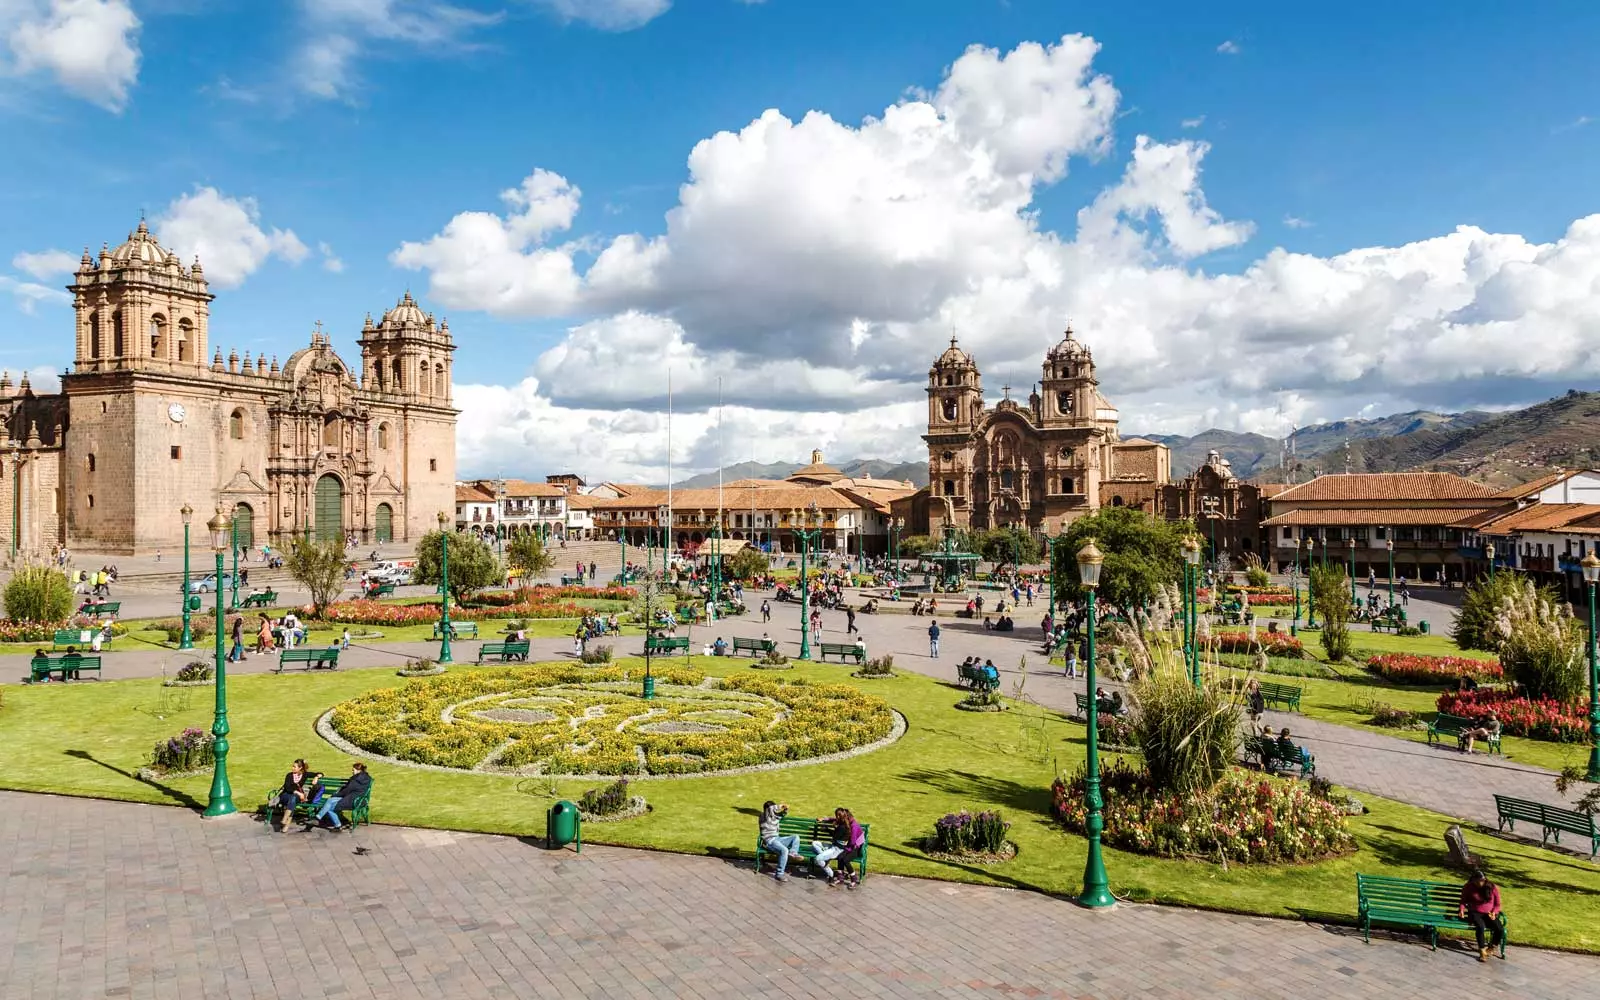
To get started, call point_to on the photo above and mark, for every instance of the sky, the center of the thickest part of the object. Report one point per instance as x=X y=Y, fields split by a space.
x=1255 y=214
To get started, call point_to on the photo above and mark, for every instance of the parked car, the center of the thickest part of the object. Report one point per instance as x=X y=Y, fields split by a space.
x=208 y=583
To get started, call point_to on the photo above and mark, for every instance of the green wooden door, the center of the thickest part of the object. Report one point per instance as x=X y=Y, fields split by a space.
x=385 y=523
x=330 y=508
x=244 y=527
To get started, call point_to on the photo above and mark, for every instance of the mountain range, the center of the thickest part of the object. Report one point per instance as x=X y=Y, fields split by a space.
x=1498 y=449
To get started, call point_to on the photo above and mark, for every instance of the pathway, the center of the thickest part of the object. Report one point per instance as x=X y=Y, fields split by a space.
x=102 y=899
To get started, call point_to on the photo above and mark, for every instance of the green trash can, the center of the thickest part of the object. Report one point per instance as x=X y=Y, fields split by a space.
x=649 y=686
x=562 y=826
x=1423 y=625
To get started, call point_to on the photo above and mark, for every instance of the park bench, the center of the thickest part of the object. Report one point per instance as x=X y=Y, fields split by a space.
x=975 y=677
x=382 y=590
x=755 y=647
x=1285 y=696
x=841 y=650
x=665 y=645
x=1389 y=620
x=68 y=665
x=314 y=658
x=1082 y=702
x=458 y=630
x=1415 y=903
x=571 y=581
x=102 y=609
x=65 y=637
x=511 y=649
x=260 y=599
x=1454 y=726
x=1553 y=820
x=811 y=831
x=1272 y=756
x=305 y=811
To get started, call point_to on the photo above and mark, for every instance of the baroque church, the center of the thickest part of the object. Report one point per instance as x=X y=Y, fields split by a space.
x=1038 y=464
x=152 y=417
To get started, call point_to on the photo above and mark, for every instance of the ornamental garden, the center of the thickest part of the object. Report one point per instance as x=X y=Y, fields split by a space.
x=988 y=797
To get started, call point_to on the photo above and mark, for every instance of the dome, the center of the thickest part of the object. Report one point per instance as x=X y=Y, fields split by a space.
x=405 y=313
x=1070 y=349
x=141 y=249
x=953 y=356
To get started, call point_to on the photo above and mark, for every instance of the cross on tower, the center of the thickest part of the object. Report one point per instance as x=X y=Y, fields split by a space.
x=317 y=336
x=1006 y=389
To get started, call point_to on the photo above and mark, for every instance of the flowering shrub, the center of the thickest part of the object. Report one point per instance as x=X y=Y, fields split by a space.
x=1536 y=718
x=200 y=627
x=1408 y=668
x=1272 y=643
x=1257 y=595
x=545 y=595
x=606 y=801
x=1244 y=818
x=15 y=631
x=965 y=833
x=363 y=612
x=1116 y=730
x=194 y=672
x=191 y=750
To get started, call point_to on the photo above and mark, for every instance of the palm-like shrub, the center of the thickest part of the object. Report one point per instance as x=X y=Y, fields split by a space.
x=1542 y=648
x=1189 y=735
x=38 y=594
x=1476 y=625
x=1332 y=595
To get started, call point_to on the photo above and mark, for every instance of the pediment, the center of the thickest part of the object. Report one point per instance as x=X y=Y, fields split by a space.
x=243 y=482
x=385 y=484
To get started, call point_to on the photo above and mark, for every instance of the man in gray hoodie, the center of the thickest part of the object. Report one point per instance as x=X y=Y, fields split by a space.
x=781 y=846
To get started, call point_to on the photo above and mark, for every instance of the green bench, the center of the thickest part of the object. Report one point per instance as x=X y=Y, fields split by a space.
x=841 y=650
x=1553 y=820
x=458 y=630
x=1414 y=903
x=1276 y=695
x=1272 y=756
x=755 y=647
x=112 y=608
x=976 y=677
x=313 y=657
x=571 y=581
x=809 y=831
x=1454 y=726
x=306 y=811
x=260 y=599
x=381 y=590
x=68 y=665
x=1391 y=620
x=65 y=637
x=665 y=645
x=511 y=649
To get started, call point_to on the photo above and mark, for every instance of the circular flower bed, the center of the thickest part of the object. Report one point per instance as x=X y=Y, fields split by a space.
x=566 y=719
x=1246 y=818
x=1408 y=668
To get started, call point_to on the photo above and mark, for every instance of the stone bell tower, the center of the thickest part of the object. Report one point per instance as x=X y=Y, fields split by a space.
x=138 y=307
x=955 y=411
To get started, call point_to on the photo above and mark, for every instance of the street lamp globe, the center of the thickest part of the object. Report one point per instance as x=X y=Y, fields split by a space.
x=1591 y=568
x=1488 y=550
x=218 y=527
x=442 y=520
x=1090 y=559
x=1388 y=543
x=1352 y=544
x=1191 y=551
x=188 y=514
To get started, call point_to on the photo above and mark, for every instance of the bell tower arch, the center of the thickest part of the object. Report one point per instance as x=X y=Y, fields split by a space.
x=138 y=307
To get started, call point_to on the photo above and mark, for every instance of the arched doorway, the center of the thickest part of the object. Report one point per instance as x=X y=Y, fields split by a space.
x=244 y=526
x=385 y=521
x=330 y=508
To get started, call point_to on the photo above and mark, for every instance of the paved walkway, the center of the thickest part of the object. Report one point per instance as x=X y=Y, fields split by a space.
x=101 y=899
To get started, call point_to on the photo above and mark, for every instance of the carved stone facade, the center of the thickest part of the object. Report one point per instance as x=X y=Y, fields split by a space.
x=143 y=425
x=1037 y=465
x=1226 y=510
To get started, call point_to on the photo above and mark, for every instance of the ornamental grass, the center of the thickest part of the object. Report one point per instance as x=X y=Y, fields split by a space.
x=1412 y=668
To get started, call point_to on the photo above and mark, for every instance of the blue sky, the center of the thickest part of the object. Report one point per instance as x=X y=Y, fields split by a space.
x=358 y=126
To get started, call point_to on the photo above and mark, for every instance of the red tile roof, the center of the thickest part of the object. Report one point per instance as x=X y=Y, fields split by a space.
x=1387 y=486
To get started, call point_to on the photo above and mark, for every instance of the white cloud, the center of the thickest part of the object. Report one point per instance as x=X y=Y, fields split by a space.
x=337 y=34
x=608 y=15
x=225 y=233
x=1195 y=122
x=1229 y=48
x=1576 y=123
x=1295 y=222
x=819 y=267
x=45 y=264
x=330 y=260
x=90 y=47
x=29 y=294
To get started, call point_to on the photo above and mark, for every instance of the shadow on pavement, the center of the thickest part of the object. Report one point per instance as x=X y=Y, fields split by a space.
x=177 y=795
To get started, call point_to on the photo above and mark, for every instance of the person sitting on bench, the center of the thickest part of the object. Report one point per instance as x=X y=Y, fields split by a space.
x=40 y=664
x=357 y=785
x=1490 y=728
x=1480 y=906
x=1285 y=746
x=991 y=676
x=861 y=647
x=1102 y=701
x=1005 y=624
x=720 y=647
x=988 y=623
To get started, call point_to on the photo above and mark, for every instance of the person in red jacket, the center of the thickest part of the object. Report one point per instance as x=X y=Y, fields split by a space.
x=1480 y=905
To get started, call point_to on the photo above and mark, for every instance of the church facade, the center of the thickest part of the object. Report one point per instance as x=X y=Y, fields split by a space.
x=152 y=417
x=1036 y=465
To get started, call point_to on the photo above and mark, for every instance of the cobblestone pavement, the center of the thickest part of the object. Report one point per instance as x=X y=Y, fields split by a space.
x=103 y=899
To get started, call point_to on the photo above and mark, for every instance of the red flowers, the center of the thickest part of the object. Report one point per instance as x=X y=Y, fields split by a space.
x=1275 y=643
x=1408 y=668
x=1541 y=719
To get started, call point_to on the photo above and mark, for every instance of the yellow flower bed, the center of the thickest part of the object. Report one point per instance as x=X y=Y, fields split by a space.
x=566 y=719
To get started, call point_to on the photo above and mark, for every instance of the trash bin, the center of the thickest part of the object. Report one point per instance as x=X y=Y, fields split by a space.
x=562 y=826
x=649 y=686
x=1423 y=625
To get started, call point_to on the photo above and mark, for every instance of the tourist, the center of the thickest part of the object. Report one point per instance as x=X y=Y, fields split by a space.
x=988 y=623
x=344 y=638
x=1405 y=595
x=1102 y=701
x=293 y=792
x=355 y=787
x=1372 y=579
x=848 y=839
x=850 y=621
x=237 y=652
x=933 y=640
x=1005 y=624
x=1480 y=906
x=1072 y=660
x=1117 y=707
x=1257 y=702
x=577 y=642
x=264 y=635
x=1490 y=729
x=1286 y=748
x=720 y=647
x=782 y=846
x=991 y=676
x=816 y=623
x=861 y=647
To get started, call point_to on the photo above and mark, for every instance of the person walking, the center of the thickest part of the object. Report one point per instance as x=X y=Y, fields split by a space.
x=933 y=640
x=850 y=621
x=1372 y=580
x=237 y=652
x=766 y=612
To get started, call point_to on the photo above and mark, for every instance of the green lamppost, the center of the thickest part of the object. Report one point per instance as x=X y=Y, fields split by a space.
x=221 y=799
x=185 y=641
x=1488 y=550
x=1388 y=543
x=1050 y=561
x=1311 y=585
x=895 y=524
x=444 y=589
x=1294 y=584
x=1191 y=618
x=622 y=557
x=807 y=533
x=1096 y=887
x=233 y=544
x=1352 y=570
x=1591 y=576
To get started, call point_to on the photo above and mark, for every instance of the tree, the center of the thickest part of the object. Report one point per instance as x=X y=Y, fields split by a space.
x=1142 y=554
x=38 y=593
x=1477 y=625
x=527 y=554
x=1006 y=545
x=746 y=564
x=1331 y=588
x=473 y=564
x=318 y=567
x=915 y=546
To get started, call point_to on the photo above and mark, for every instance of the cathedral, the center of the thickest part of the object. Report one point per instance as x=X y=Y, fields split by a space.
x=151 y=417
x=1034 y=465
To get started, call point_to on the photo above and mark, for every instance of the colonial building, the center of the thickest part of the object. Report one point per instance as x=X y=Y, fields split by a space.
x=144 y=425
x=1225 y=509
x=1038 y=464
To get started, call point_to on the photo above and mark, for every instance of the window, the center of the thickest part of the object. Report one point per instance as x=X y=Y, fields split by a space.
x=95 y=347
x=1064 y=403
x=1116 y=501
x=949 y=487
x=103 y=406
x=185 y=340
x=438 y=380
x=433 y=465
x=158 y=327
x=949 y=406
x=91 y=501
x=116 y=334
x=1008 y=479
x=399 y=380
x=236 y=425
x=1380 y=533
x=177 y=451
x=383 y=436
x=91 y=462
x=1288 y=532
x=330 y=431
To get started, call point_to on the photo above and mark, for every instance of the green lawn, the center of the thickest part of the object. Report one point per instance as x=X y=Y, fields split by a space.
x=946 y=761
